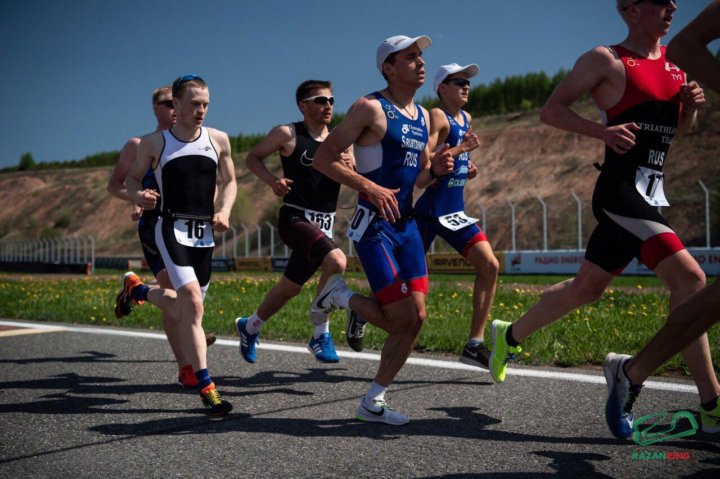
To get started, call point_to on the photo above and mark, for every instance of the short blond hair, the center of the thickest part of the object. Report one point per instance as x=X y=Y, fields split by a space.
x=158 y=92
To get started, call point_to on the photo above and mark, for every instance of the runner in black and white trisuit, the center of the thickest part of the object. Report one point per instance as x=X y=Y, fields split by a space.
x=164 y=113
x=645 y=101
x=306 y=217
x=186 y=160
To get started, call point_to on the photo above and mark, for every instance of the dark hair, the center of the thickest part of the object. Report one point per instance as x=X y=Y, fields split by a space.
x=391 y=60
x=184 y=82
x=309 y=85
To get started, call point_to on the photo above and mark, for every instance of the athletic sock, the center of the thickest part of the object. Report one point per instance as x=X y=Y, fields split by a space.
x=139 y=292
x=509 y=338
x=203 y=377
x=710 y=405
x=376 y=393
x=474 y=342
x=320 y=329
x=343 y=298
x=254 y=323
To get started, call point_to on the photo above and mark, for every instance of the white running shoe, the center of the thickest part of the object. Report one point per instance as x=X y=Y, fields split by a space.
x=326 y=301
x=380 y=412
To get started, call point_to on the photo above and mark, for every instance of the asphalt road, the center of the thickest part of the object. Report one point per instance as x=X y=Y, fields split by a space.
x=83 y=402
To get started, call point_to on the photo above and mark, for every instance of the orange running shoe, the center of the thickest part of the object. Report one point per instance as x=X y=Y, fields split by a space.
x=211 y=399
x=124 y=302
x=187 y=378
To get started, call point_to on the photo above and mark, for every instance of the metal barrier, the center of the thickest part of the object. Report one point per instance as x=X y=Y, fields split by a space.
x=65 y=250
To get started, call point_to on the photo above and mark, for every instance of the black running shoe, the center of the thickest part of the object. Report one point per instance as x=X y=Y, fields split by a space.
x=478 y=356
x=354 y=330
x=216 y=406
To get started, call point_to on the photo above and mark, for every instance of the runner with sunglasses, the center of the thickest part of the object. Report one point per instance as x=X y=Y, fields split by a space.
x=694 y=317
x=164 y=113
x=645 y=101
x=306 y=218
x=389 y=131
x=186 y=160
x=440 y=211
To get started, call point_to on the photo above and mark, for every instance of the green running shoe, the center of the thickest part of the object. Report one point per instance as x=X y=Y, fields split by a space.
x=502 y=352
x=711 y=419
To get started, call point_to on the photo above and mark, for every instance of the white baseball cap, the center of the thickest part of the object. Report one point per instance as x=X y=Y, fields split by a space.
x=397 y=43
x=451 y=69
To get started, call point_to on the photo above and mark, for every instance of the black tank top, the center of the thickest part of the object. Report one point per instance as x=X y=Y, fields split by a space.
x=310 y=189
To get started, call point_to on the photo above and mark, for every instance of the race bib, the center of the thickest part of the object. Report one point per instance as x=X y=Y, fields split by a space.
x=456 y=221
x=359 y=222
x=194 y=233
x=324 y=221
x=649 y=183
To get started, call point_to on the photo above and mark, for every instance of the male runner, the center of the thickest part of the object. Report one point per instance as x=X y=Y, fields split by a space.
x=691 y=319
x=164 y=113
x=645 y=101
x=389 y=132
x=440 y=211
x=306 y=217
x=186 y=159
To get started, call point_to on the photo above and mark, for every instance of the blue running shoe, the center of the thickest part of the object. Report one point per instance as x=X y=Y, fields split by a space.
x=323 y=349
x=247 y=340
x=621 y=396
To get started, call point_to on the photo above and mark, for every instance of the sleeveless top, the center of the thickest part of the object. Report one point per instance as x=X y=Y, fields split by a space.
x=186 y=175
x=394 y=162
x=445 y=196
x=310 y=189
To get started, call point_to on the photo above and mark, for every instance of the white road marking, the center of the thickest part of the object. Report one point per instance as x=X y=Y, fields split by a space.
x=433 y=363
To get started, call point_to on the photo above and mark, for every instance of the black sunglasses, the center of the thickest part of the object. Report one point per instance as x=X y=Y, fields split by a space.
x=664 y=3
x=461 y=82
x=166 y=103
x=180 y=81
x=321 y=99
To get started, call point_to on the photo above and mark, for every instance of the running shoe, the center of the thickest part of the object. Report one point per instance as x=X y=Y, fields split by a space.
x=621 y=396
x=711 y=419
x=380 y=412
x=124 y=302
x=476 y=356
x=211 y=399
x=326 y=302
x=502 y=352
x=187 y=378
x=247 y=340
x=210 y=339
x=323 y=349
x=354 y=330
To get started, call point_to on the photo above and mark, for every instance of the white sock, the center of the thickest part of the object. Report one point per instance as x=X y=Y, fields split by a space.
x=343 y=297
x=323 y=328
x=376 y=393
x=254 y=324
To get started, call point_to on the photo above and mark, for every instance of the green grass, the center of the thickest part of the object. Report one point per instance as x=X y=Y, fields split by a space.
x=622 y=321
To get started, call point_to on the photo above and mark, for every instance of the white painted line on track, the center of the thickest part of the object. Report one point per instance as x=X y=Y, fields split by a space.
x=433 y=363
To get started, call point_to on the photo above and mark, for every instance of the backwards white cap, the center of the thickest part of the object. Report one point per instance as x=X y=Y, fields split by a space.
x=397 y=43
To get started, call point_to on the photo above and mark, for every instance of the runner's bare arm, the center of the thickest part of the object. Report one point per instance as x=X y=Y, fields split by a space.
x=364 y=116
x=441 y=160
x=148 y=152
x=590 y=71
x=116 y=184
x=221 y=218
x=277 y=140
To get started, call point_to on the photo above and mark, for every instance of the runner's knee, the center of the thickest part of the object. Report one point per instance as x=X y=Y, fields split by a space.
x=334 y=262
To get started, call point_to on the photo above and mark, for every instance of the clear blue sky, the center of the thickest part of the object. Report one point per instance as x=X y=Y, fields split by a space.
x=76 y=75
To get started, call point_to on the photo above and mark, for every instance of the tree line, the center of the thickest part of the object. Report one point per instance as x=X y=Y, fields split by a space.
x=516 y=93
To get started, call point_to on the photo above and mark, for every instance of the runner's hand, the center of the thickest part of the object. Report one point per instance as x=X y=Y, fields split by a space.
x=282 y=187
x=692 y=95
x=470 y=140
x=443 y=162
x=385 y=201
x=136 y=213
x=472 y=170
x=148 y=199
x=221 y=221
x=620 y=138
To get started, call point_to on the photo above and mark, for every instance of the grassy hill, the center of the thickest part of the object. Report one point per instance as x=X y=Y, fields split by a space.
x=519 y=159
